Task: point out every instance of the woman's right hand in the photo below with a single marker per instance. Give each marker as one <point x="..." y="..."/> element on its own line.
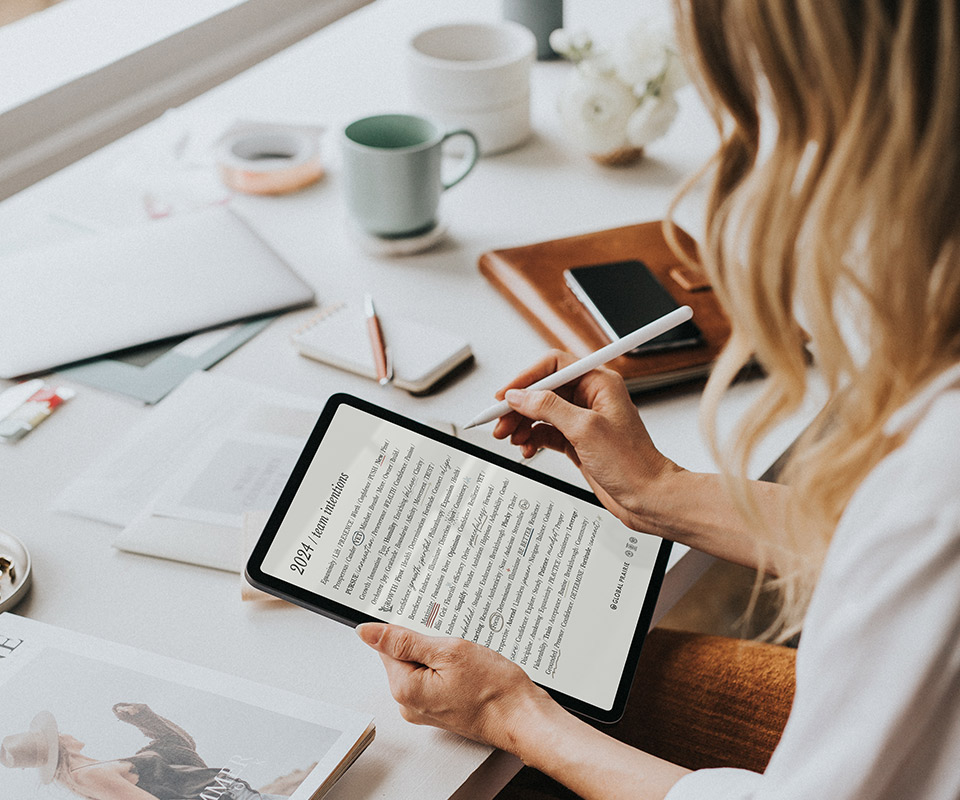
<point x="594" y="421"/>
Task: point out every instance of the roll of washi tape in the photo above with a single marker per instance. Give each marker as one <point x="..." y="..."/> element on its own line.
<point x="269" y="159"/>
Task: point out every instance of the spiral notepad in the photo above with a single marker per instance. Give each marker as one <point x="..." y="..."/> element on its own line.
<point x="421" y="355"/>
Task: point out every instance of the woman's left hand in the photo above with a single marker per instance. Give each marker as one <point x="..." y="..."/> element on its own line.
<point x="457" y="685"/>
<point x="475" y="692"/>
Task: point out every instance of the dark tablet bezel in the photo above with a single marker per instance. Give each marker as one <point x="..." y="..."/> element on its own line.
<point x="349" y="616"/>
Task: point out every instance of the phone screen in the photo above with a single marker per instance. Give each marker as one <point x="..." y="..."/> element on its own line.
<point x="623" y="296"/>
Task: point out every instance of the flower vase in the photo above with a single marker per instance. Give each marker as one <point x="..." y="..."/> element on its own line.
<point x="621" y="157"/>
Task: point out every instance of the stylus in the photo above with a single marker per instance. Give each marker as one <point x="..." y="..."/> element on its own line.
<point x="594" y="360"/>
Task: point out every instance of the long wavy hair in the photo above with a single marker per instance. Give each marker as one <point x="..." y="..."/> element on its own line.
<point x="832" y="228"/>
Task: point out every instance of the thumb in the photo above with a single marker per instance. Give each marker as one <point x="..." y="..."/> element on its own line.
<point x="370" y="632"/>
<point x="545" y="406"/>
<point x="397" y="642"/>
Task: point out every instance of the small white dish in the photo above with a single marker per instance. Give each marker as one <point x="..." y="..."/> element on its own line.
<point x="15" y="580"/>
<point x="399" y="245"/>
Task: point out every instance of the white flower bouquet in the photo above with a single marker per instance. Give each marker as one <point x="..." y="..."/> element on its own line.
<point x="617" y="101"/>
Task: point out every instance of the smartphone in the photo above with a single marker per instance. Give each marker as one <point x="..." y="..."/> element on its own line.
<point x="623" y="296"/>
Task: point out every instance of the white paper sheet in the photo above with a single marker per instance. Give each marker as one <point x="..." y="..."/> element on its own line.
<point x="117" y="488"/>
<point x="229" y="473"/>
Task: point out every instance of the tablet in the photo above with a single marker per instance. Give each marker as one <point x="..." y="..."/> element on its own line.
<point x="385" y="519"/>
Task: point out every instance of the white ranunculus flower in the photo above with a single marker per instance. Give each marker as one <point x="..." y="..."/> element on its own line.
<point x="574" y="45"/>
<point x="622" y="98"/>
<point x="599" y="65"/>
<point x="651" y="120"/>
<point x="595" y="110"/>
<point x="639" y="56"/>
<point x="676" y="75"/>
<point x="561" y="42"/>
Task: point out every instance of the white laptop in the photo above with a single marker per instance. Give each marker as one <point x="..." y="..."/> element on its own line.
<point x="137" y="285"/>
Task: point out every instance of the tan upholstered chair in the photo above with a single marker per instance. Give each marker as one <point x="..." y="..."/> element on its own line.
<point x="699" y="701"/>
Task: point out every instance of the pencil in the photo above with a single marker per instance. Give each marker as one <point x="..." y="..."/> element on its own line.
<point x="381" y="356"/>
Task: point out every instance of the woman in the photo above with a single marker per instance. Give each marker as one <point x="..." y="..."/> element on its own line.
<point x="168" y="767"/>
<point x="840" y="233"/>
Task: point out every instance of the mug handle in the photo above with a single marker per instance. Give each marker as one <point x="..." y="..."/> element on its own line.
<point x="470" y="159"/>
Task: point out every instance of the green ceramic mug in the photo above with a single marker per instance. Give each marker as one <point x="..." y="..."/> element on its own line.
<point x="393" y="176"/>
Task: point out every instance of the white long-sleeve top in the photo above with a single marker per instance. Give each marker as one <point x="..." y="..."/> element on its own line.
<point x="876" y="715"/>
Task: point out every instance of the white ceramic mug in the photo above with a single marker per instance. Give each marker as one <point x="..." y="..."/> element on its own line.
<point x="475" y="75"/>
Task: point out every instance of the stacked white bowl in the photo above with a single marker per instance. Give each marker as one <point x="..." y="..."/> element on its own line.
<point x="475" y="75"/>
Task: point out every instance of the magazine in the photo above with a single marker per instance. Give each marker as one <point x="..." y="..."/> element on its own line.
<point x="93" y="719"/>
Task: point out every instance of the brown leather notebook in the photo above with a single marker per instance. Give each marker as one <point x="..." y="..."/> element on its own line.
<point x="531" y="278"/>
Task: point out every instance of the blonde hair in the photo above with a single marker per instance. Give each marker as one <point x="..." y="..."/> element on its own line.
<point x="847" y="219"/>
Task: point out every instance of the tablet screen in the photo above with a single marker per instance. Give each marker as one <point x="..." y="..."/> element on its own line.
<point x="387" y="519"/>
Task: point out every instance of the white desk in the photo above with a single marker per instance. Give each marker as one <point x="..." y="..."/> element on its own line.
<point x="540" y="191"/>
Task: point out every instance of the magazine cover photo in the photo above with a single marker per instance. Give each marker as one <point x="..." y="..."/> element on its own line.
<point x="77" y="727"/>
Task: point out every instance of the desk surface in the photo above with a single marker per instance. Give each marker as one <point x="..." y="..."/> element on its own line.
<point x="540" y="191"/>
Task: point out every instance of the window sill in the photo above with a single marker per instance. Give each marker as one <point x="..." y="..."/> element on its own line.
<point x="82" y="82"/>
